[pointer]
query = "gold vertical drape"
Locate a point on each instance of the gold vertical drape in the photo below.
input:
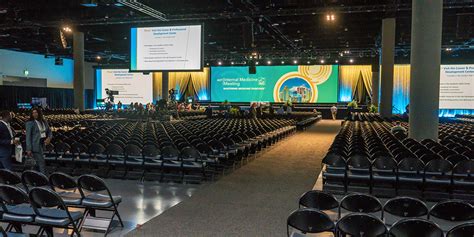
(348, 78)
(195, 84)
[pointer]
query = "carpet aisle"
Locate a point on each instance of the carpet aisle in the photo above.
(255, 199)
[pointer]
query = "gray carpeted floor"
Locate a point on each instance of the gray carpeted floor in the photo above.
(256, 199)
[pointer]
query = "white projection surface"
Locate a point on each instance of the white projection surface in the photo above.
(132, 87)
(457, 87)
(166, 48)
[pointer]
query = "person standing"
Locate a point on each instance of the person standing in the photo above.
(334, 112)
(7, 140)
(38, 134)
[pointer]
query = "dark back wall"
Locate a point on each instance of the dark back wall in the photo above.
(10, 96)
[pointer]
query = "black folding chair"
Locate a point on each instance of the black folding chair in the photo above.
(66, 187)
(15, 207)
(32, 178)
(97, 196)
(415, 227)
(51, 212)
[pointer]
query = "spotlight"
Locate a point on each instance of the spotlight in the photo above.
(207, 64)
(219, 63)
(308, 62)
(256, 63)
(282, 62)
(67, 29)
(269, 62)
(98, 57)
(336, 61)
(322, 61)
(333, 17)
(295, 61)
(449, 49)
(351, 60)
(232, 63)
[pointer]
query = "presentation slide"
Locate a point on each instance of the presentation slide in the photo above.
(300, 84)
(132, 87)
(166, 48)
(456, 87)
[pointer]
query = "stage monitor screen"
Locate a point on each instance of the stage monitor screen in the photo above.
(457, 87)
(166, 48)
(131, 87)
(298, 84)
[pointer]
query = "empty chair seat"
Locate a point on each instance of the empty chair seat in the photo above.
(463, 230)
(358, 202)
(66, 187)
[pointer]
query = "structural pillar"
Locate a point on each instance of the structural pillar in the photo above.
(78, 56)
(426, 27)
(375, 84)
(387, 60)
(164, 85)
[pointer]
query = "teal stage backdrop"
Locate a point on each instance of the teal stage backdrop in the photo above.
(302, 84)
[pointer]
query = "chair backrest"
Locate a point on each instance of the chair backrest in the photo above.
(334, 159)
(319, 200)
(91, 183)
(439, 165)
(464, 167)
(452, 210)
(411, 164)
(384, 163)
(150, 151)
(456, 158)
(415, 227)
(309, 220)
(62, 181)
(9, 177)
(32, 178)
(406, 207)
(359, 162)
(42, 197)
(190, 153)
(96, 148)
(361, 224)
(12, 195)
(132, 150)
(463, 230)
(358, 202)
(169, 152)
(114, 150)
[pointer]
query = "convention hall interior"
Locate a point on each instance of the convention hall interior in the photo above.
(237, 118)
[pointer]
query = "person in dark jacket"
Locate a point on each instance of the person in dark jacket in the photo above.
(38, 134)
(7, 140)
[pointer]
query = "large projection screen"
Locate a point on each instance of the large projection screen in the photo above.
(299, 84)
(132, 87)
(456, 87)
(166, 48)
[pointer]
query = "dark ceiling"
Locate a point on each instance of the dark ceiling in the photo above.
(276, 29)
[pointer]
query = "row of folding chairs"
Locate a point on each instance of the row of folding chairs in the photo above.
(357, 213)
(35, 199)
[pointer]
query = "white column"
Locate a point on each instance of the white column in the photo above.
(387, 61)
(426, 28)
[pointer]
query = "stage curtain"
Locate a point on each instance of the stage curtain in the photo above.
(201, 84)
(361, 92)
(157, 85)
(348, 78)
(401, 88)
(179, 81)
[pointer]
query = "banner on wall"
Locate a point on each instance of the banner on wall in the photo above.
(301, 84)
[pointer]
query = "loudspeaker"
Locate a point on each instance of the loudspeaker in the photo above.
(252, 69)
